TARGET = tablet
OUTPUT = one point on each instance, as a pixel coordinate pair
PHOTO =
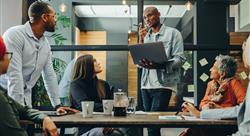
(154, 52)
(54, 113)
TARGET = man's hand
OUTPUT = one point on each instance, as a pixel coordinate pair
(150, 65)
(190, 107)
(49, 127)
(66, 110)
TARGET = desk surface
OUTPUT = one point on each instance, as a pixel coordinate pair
(145, 120)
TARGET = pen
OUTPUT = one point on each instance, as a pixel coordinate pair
(177, 112)
(182, 117)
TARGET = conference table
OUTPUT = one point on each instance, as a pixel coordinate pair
(145, 119)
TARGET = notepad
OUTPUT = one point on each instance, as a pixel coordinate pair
(170, 117)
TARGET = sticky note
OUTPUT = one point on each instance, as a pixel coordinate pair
(203, 62)
(243, 75)
(204, 77)
(186, 66)
(191, 88)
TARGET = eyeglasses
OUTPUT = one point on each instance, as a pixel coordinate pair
(10, 54)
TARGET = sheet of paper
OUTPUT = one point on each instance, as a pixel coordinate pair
(203, 62)
(189, 99)
(170, 117)
(140, 112)
(204, 77)
(191, 118)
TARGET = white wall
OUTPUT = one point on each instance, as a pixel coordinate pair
(10, 14)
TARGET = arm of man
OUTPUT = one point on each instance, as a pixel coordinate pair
(231, 112)
(50, 81)
(14, 44)
(26, 113)
(246, 53)
(177, 51)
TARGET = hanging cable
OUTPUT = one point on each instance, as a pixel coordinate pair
(170, 6)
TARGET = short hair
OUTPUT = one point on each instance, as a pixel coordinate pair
(153, 10)
(226, 64)
(36, 10)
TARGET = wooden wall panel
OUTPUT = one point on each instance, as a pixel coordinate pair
(94, 38)
(237, 38)
(132, 69)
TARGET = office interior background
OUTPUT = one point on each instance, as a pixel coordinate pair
(105, 29)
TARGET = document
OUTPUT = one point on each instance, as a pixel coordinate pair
(170, 117)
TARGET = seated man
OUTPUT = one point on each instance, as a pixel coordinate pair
(11, 111)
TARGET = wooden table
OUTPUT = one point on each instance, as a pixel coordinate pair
(139, 121)
(146, 120)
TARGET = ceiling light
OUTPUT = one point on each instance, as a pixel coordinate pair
(189, 5)
(63, 7)
(124, 2)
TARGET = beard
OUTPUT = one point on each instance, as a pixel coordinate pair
(155, 23)
(49, 28)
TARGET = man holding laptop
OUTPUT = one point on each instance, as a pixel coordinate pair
(158, 79)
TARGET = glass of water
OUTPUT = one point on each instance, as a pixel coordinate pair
(132, 103)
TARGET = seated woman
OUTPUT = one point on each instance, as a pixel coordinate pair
(85, 86)
(11, 111)
(223, 91)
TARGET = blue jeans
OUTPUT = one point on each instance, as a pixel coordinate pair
(155, 100)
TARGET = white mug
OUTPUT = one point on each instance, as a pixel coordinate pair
(87, 108)
(107, 107)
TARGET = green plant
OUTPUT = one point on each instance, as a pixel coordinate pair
(40, 97)
(63, 22)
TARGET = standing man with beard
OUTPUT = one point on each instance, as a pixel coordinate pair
(158, 80)
(32, 56)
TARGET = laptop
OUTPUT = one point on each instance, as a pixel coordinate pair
(154, 52)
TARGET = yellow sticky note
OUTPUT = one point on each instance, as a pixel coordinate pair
(243, 75)
(191, 88)
(203, 62)
(186, 65)
(204, 77)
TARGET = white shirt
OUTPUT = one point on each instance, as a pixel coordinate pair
(31, 57)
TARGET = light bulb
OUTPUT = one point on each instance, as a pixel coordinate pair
(62, 7)
(124, 2)
(189, 5)
(129, 31)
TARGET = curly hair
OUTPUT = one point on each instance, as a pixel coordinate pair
(226, 64)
